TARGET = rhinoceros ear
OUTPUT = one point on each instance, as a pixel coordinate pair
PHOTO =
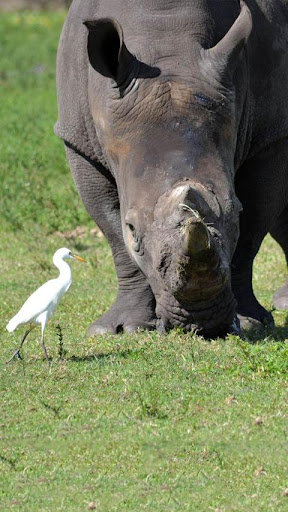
(223, 56)
(106, 49)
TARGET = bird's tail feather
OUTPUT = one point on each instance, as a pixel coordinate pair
(12, 324)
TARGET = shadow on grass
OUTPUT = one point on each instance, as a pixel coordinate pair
(261, 334)
(124, 354)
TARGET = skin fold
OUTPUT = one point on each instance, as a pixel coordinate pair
(175, 124)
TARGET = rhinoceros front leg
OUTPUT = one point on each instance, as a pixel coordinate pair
(261, 185)
(135, 304)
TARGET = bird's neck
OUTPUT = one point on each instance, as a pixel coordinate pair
(65, 274)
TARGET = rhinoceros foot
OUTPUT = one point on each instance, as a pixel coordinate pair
(216, 318)
(247, 322)
(280, 298)
(258, 317)
(128, 313)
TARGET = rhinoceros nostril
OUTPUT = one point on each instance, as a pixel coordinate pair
(135, 239)
(131, 228)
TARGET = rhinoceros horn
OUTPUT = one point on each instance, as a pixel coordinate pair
(224, 54)
(195, 236)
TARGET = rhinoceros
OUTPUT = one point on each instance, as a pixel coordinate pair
(174, 115)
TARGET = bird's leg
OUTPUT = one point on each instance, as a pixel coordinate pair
(17, 352)
(44, 348)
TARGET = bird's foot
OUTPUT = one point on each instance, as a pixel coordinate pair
(16, 355)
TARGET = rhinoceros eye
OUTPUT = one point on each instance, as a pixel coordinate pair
(206, 101)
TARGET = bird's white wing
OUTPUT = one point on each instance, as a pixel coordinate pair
(44, 298)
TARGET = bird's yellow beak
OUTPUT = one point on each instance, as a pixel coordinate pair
(76, 257)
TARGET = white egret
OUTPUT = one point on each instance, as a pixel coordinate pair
(40, 306)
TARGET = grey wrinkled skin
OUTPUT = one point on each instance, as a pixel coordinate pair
(174, 116)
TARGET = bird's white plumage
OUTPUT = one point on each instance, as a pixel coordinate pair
(40, 306)
(45, 299)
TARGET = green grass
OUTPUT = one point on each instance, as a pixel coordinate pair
(120, 423)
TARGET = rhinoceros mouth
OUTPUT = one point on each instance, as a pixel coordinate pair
(209, 319)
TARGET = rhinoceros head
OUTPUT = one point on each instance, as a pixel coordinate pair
(168, 129)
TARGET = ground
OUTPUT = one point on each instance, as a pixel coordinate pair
(129, 422)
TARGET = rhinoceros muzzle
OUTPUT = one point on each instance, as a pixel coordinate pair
(215, 318)
(191, 264)
(192, 271)
(194, 282)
